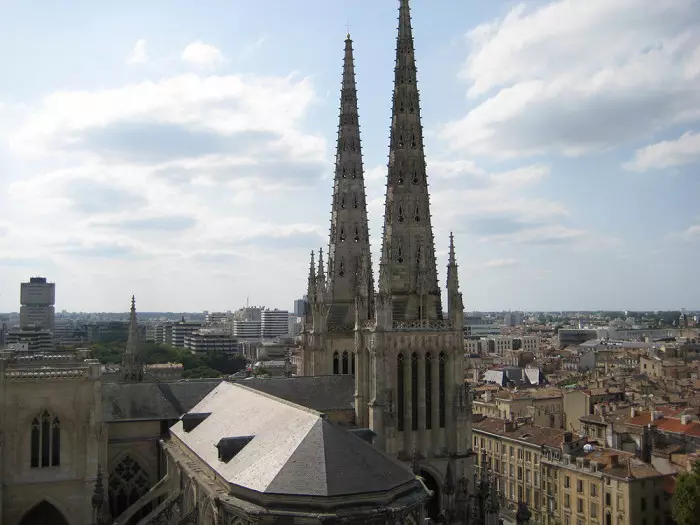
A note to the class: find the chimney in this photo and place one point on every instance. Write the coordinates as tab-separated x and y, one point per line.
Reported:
633	412
656	414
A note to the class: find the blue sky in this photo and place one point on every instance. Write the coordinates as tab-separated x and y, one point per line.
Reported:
183	151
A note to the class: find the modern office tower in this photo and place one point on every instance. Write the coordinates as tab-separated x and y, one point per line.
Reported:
275	323
300	307
37	299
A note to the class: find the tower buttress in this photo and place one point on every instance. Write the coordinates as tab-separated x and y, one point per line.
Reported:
132	363
349	232
408	247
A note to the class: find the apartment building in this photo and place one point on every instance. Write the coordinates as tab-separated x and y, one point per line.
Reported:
543	406
566	481
206	340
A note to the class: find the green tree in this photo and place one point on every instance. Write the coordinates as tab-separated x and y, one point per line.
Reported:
685	505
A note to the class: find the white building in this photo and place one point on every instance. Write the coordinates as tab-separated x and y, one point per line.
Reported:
530	343
275	323
37	299
513	319
251	329
207	340
182	329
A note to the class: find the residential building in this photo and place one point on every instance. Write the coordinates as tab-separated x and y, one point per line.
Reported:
182	329
206	340
581	402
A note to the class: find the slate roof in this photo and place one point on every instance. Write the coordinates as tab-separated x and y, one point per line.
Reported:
322	393
150	401
294	451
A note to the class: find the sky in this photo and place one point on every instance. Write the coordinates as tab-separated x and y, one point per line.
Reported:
183	151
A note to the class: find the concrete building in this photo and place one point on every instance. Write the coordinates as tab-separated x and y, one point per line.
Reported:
182	329
37	299
300	307
247	329
475	326
575	336
206	340
511	319
36	339
408	351
274	323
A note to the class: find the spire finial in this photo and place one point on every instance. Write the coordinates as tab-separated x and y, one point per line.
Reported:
132	367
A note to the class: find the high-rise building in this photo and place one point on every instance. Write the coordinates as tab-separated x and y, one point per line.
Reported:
37	299
275	323
406	353
300	307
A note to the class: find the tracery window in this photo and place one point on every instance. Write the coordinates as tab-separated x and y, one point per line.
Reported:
346	368
400	390
442	385
414	391
45	441
336	364
428	391
128	482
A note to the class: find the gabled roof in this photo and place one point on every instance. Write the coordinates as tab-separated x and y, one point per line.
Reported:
322	393
294	450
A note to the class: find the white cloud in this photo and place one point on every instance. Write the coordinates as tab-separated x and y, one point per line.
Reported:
203	56
578	75
138	54
668	153
690	234
500	263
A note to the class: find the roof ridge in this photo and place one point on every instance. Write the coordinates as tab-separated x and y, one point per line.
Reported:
281	400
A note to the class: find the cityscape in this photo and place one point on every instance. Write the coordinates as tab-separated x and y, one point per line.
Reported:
369	388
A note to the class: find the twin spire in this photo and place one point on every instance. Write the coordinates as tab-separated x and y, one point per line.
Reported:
408	283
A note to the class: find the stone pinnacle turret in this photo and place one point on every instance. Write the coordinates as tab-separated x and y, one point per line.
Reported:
408	249
349	234
132	364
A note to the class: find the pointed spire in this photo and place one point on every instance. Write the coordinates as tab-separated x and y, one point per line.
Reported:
98	498
311	288
132	366
408	233
349	233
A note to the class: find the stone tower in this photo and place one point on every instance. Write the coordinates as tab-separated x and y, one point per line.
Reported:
342	293
132	363
411	359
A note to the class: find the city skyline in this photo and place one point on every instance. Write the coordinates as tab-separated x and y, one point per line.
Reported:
191	163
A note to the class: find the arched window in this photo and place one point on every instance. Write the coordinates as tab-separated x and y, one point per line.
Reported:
345	363
400	218
400	178
352	363
428	391
128	482
336	364
45	441
341	269
414	391
357	234
342	234
43	513
442	386
400	390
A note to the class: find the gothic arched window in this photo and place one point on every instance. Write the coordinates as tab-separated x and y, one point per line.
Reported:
352	363
45	441
413	141
414	391
400	218
343	172
399	255
357	234
400	178
354	172
400	140
346	364
354	200
336	364
441	390
128	482
341	268
342	201
416	180
417	213
400	365
342	234
428	391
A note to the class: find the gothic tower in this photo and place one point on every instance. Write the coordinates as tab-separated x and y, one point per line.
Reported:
342	293
411	360
132	363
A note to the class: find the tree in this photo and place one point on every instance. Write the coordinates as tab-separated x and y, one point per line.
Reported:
685	505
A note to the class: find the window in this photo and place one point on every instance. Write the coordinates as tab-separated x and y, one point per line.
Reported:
336	363
567	482
442	387
46	441
579	505
608	499
567	501
520	453
520	473
643	504
579	485
594	489
400	390
594	510
512	452
527	476
414	391
345	363
528	456
429	393
128	482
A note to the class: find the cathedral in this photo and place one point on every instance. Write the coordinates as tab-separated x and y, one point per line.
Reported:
375	430
405	351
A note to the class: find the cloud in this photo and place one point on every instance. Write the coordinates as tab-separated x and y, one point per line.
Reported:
500	263
203	56
101	251
138	54
175	223
92	197
690	234
574	76
667	154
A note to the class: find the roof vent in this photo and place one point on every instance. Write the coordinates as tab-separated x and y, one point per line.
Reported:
230	446
365	434
191	420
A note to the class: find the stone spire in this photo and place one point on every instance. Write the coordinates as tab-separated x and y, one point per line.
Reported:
349	235
408	272
454	297
132	365
311	292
